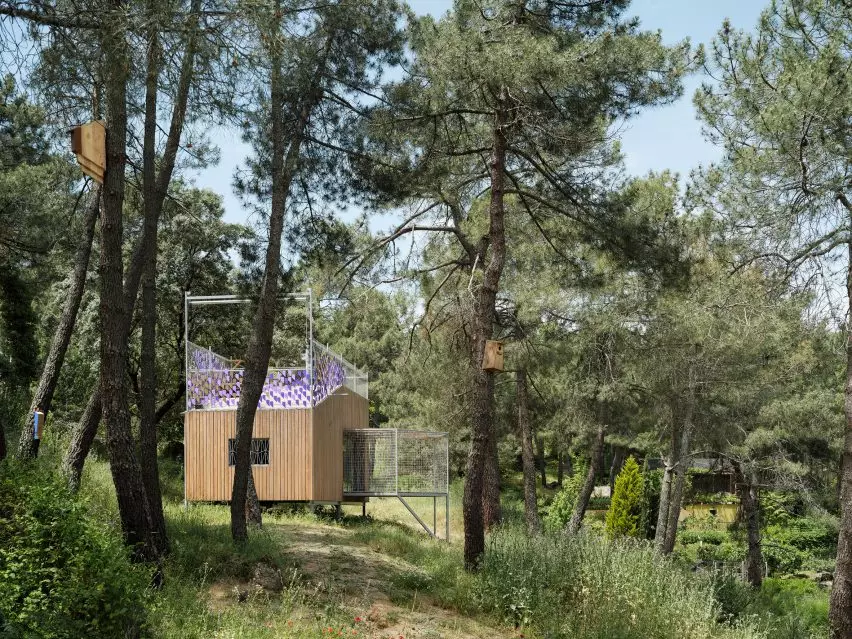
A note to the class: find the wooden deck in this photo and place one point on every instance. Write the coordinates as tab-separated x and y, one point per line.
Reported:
305	450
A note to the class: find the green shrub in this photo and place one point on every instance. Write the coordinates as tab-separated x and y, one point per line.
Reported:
562	505
588	587
622	518
62	573
794	608
808	534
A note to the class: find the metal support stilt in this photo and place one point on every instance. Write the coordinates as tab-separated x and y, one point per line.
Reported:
416	516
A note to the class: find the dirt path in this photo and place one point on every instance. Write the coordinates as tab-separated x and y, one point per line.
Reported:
337	570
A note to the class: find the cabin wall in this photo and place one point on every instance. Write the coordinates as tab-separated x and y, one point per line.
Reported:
288	477
305	455
343	409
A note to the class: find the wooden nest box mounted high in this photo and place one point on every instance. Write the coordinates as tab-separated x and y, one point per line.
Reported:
88	143
492	359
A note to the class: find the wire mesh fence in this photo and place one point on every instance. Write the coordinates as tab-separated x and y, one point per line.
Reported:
384	461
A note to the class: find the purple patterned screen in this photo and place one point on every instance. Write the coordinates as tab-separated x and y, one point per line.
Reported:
213	382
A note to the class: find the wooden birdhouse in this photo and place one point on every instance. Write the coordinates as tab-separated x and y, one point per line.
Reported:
492	360
88	143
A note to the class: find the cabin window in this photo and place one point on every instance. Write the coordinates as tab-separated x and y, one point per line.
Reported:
259	452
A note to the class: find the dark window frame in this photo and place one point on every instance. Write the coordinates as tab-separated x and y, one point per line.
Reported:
259	452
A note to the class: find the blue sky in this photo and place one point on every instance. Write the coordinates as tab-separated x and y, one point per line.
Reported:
663	138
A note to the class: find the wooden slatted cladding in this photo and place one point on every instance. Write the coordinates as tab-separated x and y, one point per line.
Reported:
287	477
343	409
305	458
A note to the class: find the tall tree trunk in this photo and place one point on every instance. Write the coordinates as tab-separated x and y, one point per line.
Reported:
81	440
840	602
525	435
43	398
542	462
595	465
2	440
666	486
618	453
482	397
86	429
676	499
148	412
257	357
148	354
254	516
560	467
750	509
491	512
124	465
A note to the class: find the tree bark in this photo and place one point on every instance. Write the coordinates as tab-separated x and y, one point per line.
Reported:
618	454
124	465
257	357
525	435
2	440
86	430
595	465
491	511
81	441
148	354
680	470
43	398
666	485
840	602
560	468
750	510
676	498
483	381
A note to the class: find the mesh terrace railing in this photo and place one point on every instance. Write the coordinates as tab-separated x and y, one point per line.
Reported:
384	462
332	371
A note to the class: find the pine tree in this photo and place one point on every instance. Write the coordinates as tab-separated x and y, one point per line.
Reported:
625	511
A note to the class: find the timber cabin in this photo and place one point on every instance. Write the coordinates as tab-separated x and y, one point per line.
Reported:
311	440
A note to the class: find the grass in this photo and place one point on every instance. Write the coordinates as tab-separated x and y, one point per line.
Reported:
382	577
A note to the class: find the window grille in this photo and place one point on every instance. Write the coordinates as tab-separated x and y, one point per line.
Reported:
259	452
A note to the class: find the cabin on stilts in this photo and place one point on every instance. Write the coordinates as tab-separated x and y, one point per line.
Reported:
312	440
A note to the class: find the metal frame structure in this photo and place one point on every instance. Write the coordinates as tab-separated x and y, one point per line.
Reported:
371	468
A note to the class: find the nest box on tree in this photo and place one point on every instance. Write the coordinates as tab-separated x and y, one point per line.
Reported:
88	143
492	359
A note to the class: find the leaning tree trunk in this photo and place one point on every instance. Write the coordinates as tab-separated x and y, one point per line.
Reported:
148	351
482	397
43	398
124	464
527	456
491	512
840	603
595	465
84	433
260	345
